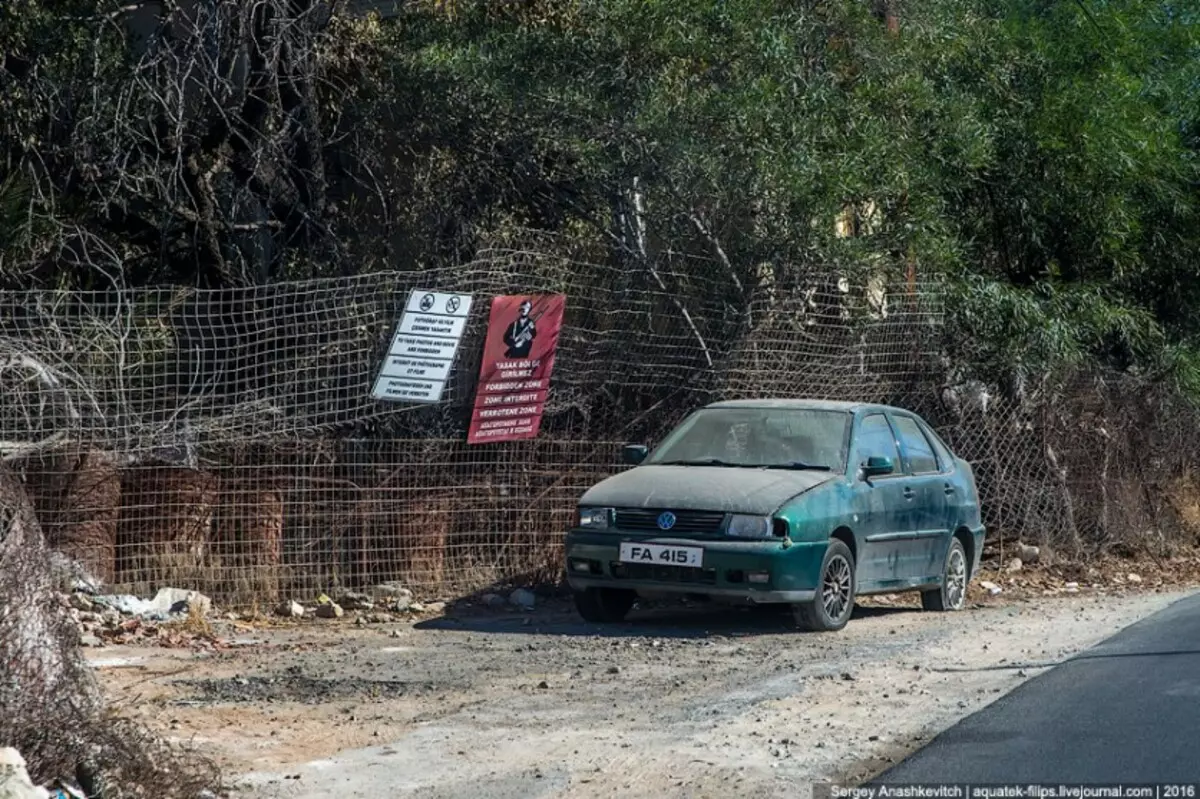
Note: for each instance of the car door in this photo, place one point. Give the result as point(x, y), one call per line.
point(879, 519)
point(928, 506)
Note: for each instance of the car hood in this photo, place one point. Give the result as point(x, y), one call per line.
point(715, 488)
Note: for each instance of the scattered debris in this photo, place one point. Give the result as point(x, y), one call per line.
point(123, 603)
point(493, 600)
point(80, 602)
point(166, 603)
point(435, 607)
point(1014, 565)
point(1071, 588)
point(178, 600)
point(1133, 577)
point(174, 618)
point(991, 588)
point(290, 609)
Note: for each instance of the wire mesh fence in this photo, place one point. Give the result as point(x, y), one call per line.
point(228, 441)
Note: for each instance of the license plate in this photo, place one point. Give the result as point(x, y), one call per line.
point(662, 555)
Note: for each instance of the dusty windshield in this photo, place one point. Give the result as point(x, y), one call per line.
point(781, 438)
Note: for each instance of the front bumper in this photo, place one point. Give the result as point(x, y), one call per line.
point(793, 571)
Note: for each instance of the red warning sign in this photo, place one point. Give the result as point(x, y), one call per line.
point(518, 358)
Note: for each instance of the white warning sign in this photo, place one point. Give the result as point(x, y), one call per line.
point(418, 362)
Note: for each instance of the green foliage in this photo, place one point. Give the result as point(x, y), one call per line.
point(1043, 156)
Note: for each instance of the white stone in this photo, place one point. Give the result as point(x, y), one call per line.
point(179, 600)
point(291, 608)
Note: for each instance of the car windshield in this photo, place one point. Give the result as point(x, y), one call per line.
point(780, 438)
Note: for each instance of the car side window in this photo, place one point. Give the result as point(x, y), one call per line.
point(945, 459)
point(875, 439)
point(921, 457)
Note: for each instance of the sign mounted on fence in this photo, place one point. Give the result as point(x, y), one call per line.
point(422, 353)
point(514, 377)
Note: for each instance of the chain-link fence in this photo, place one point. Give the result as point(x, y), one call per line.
point(228, 441)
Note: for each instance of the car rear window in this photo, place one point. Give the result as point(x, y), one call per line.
point(921, 457)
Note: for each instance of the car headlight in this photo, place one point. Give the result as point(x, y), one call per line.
point(596, 518)
point(749, 526)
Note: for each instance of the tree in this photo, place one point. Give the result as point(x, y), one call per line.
point(208, 141)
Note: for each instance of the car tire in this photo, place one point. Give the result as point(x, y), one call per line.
point(830, 609)
point(952, 593)
point(604, 604)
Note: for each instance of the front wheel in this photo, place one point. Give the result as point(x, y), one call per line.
point(831, 608)
point(952, 593)
point(604, 604)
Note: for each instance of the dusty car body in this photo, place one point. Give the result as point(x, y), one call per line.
point(804, 502)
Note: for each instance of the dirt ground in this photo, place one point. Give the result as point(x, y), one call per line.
point(685, 701)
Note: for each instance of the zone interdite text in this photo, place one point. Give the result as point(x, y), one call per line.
point(955, 791)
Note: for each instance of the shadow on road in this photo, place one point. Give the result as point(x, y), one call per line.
point(674, 622)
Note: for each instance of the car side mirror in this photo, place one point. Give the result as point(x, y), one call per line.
point(877, 466)
point(634, 454)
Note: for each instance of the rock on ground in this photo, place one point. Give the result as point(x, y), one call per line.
point(351, 600)
point(1028, 554)
point(392, 588)
point(329, 610)
point(523, 598)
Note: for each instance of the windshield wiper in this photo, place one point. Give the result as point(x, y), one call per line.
point(702, 462)
point(800, 466)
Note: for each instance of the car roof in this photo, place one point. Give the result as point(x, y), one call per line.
point(807, 404)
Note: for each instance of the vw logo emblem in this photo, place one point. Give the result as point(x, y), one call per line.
point(666, 520)
point(426, 302)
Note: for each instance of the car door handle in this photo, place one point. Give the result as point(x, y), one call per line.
point(909, 493)
point(949, 489)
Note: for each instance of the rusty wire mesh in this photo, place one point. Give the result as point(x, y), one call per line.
point(227, 440)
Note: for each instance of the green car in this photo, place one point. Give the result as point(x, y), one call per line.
point(803, 502)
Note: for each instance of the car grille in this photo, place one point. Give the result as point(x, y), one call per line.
point(687, 522)
point(663, 574)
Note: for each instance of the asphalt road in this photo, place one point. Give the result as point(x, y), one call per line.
point(1126, 711)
